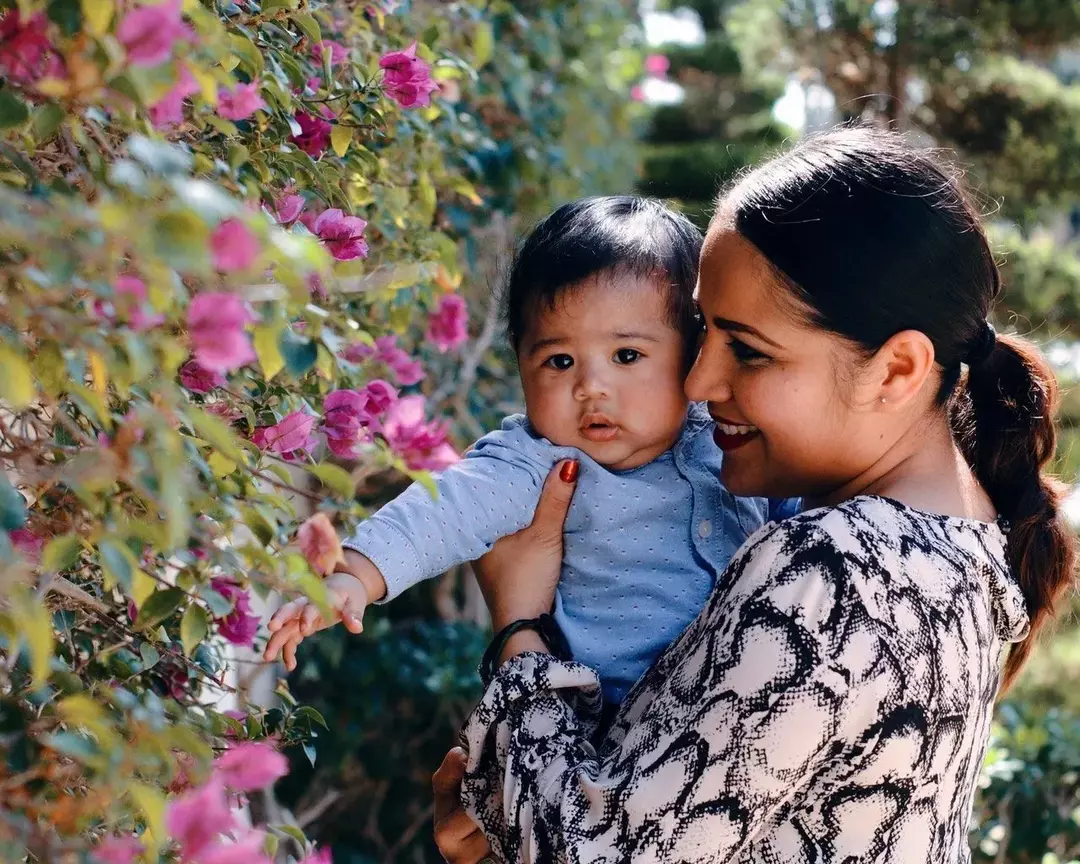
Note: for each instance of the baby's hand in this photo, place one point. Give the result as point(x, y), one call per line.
point(296, 620)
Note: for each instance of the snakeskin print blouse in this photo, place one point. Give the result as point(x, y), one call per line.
point(831, 703)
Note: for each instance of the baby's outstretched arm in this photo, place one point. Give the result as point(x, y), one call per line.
point(356, 584)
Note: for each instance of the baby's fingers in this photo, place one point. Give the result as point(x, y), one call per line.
point(286, 613)
point(310, 620)
point(287, 632)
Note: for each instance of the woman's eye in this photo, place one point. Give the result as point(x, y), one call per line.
point(626, 356)
point(744, 353)
point(559, 361)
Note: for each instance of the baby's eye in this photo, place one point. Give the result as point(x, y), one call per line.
point(559, 361)
point(626, 356)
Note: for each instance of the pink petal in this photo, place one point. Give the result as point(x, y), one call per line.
point(233, 246)
point(250, 765)
point(196, 819)
point(246, 850)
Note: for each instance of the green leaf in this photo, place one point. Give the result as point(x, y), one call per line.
point(291, 831)
point(13, 111)
point(310, 27)
point(220, 465)
point(45, 121)
point(67, 15)
point(12, 506)
point(335, 478)
point(483, 44)
point(61, 553)
point(249, 55)
point(300, 354)
point(181, 239)
point(34, 625)
point(160, 157)
point(150, 655)
point(309, 751)
point(118, 563)
point(219, 605)
point(425, 479)
point(312, 715)
point(71, 744)
point(216, 432)
point(194, 627)
point(152, 804)
point(265, 340)
point(50, 369)
point(158, 607)
point(16, 380)
point(340, 138)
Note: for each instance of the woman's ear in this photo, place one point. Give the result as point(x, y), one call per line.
point(900, 368)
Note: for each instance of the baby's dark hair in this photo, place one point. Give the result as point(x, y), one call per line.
point(617, 234)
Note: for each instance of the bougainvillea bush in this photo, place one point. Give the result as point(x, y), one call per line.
point(230, 242)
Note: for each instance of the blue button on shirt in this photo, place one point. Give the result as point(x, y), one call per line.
point(642, 547)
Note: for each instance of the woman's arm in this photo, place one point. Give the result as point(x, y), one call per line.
point(736, 717)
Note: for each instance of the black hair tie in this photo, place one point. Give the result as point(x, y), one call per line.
point(545, 625)
point(983, 347)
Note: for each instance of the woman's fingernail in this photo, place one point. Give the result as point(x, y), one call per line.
point(568, 472)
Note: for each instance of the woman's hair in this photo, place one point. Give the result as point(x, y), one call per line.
point(621, 235)
point(876, 236)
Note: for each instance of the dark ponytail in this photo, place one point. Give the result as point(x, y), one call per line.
point(1003, 420)
point(876, 236)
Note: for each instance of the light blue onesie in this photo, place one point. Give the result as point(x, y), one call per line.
point(643, 547)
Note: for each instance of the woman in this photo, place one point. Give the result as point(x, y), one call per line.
point(832, 702)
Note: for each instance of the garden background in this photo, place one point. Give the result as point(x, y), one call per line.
point(247, 251)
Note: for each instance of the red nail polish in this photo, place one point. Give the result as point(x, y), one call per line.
point(568, 472)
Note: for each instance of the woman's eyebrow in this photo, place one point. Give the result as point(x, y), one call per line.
point(739, 327)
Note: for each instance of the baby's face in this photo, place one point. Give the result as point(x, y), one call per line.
point(603, 371)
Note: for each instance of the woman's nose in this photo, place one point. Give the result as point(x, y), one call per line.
point(708, 380)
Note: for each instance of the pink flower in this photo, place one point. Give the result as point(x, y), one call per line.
point(226, 412)
point(26, 53)
point(348, 414)
point(358, 352)
point(140, 315)
point(316, 286)
point(240, 102)
point(248, 849)
point(28, 544)
point(233, 246)
point(422, 445)
point(196, 819)
point(318, 856)
point(149, 32)
point(239, 626)
point(408, 78)
point(405, 369)
point(657, 65)
point(292, 432)
point(338, 52)
point(216, 331)
point(288, 209)
point(319, 543)
point(118, 850)
point(447, 325)
point(343, 235)
point(199, 379)
point(314, 135)
point(169, 110)
point(250, 765)
point(637, 93)
point(408, 372)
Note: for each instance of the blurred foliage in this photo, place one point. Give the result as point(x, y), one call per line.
point(722, 125)
point(208, 214)
point(1028, 807)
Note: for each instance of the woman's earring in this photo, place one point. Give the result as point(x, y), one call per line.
point(882, 400)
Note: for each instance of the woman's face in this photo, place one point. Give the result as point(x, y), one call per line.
point(792, 418)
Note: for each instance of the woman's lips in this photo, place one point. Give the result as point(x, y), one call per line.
point(728, 442)
point(731, 436)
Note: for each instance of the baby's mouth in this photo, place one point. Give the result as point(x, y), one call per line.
point(598, 428)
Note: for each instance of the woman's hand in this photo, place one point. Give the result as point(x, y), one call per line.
point(519, 574)
point(459, 839)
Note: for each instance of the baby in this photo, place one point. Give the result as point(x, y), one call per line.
point(599, 307)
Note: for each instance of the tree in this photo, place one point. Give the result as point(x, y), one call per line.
point(723, 124)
